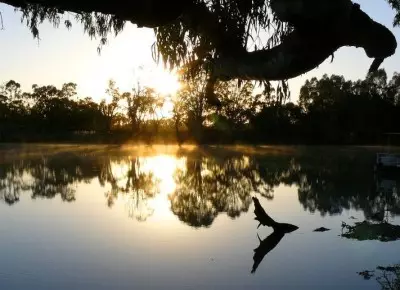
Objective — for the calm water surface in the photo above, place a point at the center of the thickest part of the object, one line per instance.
(169, 218)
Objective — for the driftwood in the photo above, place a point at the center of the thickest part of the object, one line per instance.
(270, 242)
(264, 219)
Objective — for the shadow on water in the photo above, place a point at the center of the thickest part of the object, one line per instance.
(207, 181)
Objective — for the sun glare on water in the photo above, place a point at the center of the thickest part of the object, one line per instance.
(162, 168)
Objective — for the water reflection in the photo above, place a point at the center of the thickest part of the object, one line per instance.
(11, 183)
(136, 187)
(200, 185)
(207, 186)
(266, 246)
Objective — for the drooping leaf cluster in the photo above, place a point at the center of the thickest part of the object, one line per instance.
(239, 24)
(209, 28)
(95, 25)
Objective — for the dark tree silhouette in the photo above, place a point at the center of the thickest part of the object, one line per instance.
(330, 110)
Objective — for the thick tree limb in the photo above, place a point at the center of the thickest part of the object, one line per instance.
(144, 13)
(297, 55)
(306, 48)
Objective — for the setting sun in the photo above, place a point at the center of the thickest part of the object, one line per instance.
(164, 82)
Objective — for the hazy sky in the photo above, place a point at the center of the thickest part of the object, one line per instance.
(71, 56)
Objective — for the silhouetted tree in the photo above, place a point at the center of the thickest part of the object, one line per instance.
(110, 110)
(330, 110)
(143, 105)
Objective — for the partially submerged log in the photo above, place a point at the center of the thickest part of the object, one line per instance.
(270, 242)
(264, 219)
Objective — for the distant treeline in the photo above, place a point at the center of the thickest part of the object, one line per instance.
(329, 110)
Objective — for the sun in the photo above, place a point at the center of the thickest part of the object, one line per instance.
(164, 82)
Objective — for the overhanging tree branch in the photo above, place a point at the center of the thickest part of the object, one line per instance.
(144, 13)
(308, 46)
(193, 31)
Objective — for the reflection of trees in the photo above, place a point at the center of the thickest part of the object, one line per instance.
(388, 277)
(58, 175)
(11, 182)
(211, 183)
(343, 183)
(136, 187)
(328, 182)
(209, 186)
(44, 177)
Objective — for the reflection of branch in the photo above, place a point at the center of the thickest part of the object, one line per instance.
(138, 188)
(266, 246)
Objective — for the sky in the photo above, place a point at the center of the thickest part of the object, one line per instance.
(64, 55)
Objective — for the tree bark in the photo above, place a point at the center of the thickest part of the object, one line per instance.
(297, 55)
